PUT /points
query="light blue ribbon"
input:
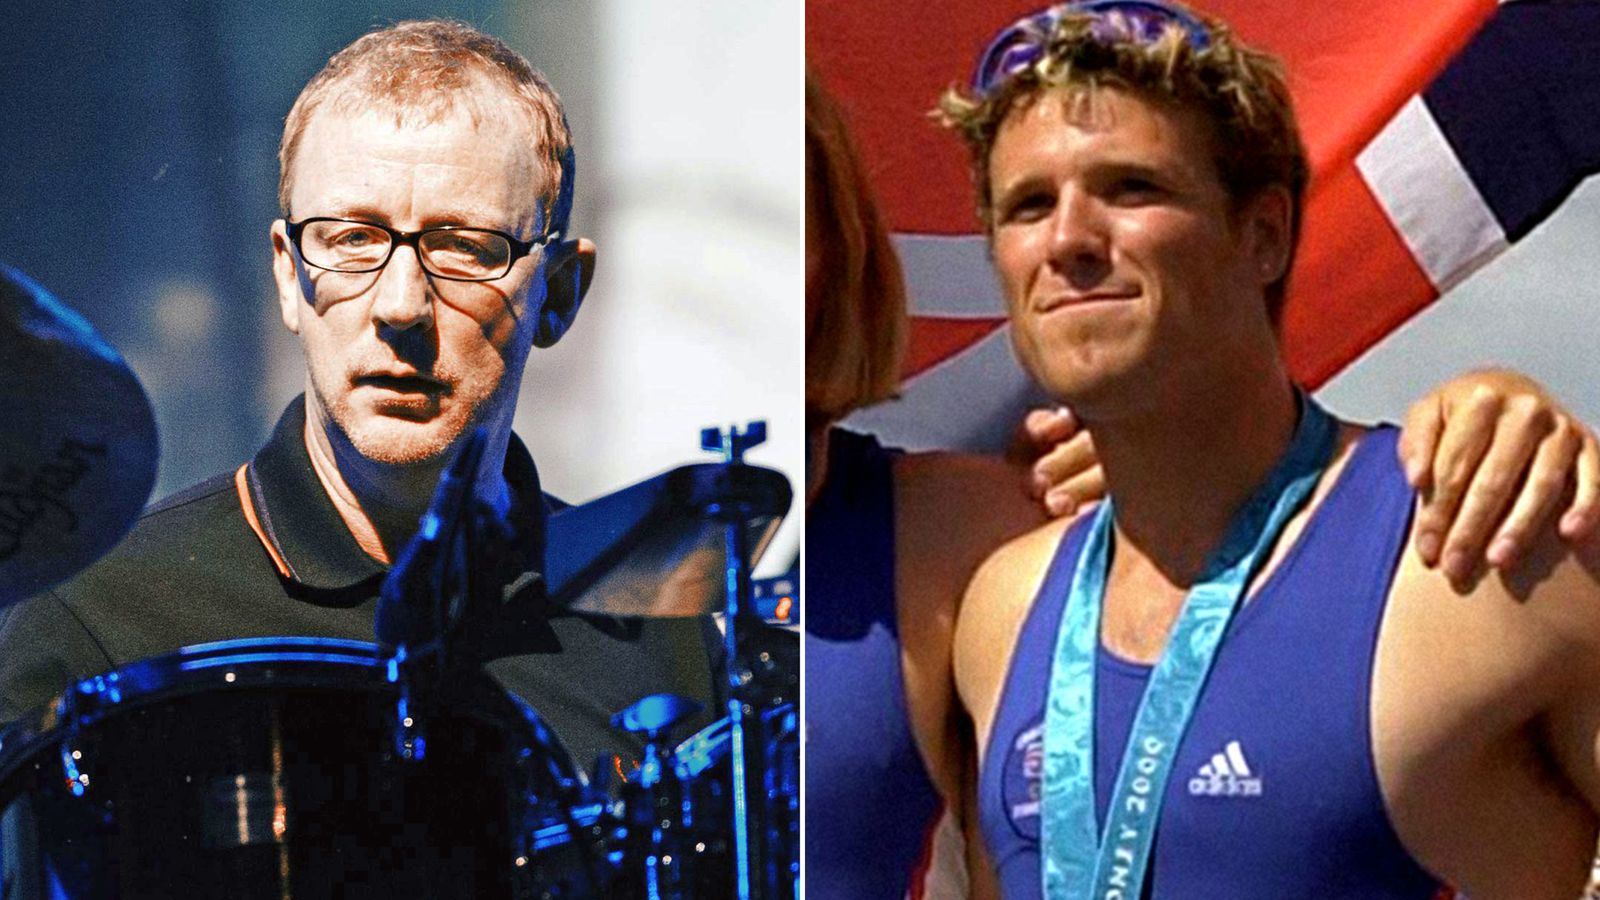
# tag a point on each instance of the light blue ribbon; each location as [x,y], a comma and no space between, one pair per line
[1079,860]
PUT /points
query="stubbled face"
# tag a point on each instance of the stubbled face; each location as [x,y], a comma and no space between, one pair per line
[1126,267]
[402,363]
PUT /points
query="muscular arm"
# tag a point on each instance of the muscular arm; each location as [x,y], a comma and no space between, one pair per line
[1566,603]
[1486,715]
[993,609]
[992,613]
[950,512]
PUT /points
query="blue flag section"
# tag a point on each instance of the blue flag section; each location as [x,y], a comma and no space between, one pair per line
[1520,107]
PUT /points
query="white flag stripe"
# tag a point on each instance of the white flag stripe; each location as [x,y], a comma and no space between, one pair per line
[1236,756]
[972,401]
[950,276]
[1429,197]
[1219,764]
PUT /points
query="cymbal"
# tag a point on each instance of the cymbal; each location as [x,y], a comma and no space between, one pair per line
[657,548]
[77,441]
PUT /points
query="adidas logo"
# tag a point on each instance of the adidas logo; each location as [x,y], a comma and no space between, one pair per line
[1227,775]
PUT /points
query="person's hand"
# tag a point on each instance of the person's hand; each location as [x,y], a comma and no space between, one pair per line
[1063,471]
[1494,458]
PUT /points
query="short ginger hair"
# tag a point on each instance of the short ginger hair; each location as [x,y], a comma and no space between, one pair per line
[423,71]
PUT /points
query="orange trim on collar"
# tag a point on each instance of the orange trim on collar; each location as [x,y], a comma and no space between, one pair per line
[249,507]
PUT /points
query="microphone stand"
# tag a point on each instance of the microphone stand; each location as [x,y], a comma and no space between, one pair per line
[432,577]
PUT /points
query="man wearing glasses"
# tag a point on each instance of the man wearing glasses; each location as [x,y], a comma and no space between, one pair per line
[426,180]
[1237,661]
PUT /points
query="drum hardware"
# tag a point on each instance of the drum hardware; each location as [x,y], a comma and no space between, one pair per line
[442,614]
[648,815]
[679,544]
[760,867]
[718,816]
[443,596]
[291,788]
[440,752]
[701,767]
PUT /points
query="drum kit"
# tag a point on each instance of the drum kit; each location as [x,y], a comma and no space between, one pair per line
[319,767]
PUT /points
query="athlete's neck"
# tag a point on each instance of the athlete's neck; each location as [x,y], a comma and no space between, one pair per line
[382,503]
[1179,471]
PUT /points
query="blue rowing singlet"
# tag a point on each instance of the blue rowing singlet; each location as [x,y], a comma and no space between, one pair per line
[1273,791]
[869,802]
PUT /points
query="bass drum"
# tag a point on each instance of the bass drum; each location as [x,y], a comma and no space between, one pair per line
[703,769]
[293,767]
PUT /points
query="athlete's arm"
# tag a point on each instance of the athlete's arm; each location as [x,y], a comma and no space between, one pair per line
[993,610]
[992,613]
[1564,598]
[951,511]
[1486,719]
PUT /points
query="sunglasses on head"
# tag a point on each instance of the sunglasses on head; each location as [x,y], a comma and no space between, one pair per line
[1023,43]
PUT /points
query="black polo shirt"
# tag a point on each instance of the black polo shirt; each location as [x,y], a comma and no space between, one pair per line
[262,552]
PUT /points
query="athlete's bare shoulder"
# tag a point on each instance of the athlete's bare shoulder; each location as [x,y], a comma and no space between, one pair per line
[1011,574]
[992,614]
[1546,610]
[1486,715]
[951,510]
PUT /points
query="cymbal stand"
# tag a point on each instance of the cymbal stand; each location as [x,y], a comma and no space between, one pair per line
[756,874]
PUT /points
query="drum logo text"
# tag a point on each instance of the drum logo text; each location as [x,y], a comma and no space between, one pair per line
[26,499]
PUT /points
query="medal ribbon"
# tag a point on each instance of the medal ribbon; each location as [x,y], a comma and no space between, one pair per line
[1079,860]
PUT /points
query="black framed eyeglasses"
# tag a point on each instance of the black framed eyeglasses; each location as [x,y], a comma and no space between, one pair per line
[1023,43]
[452,252]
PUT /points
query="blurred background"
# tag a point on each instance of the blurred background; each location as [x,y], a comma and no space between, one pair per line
[1536,308]
[139,177]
